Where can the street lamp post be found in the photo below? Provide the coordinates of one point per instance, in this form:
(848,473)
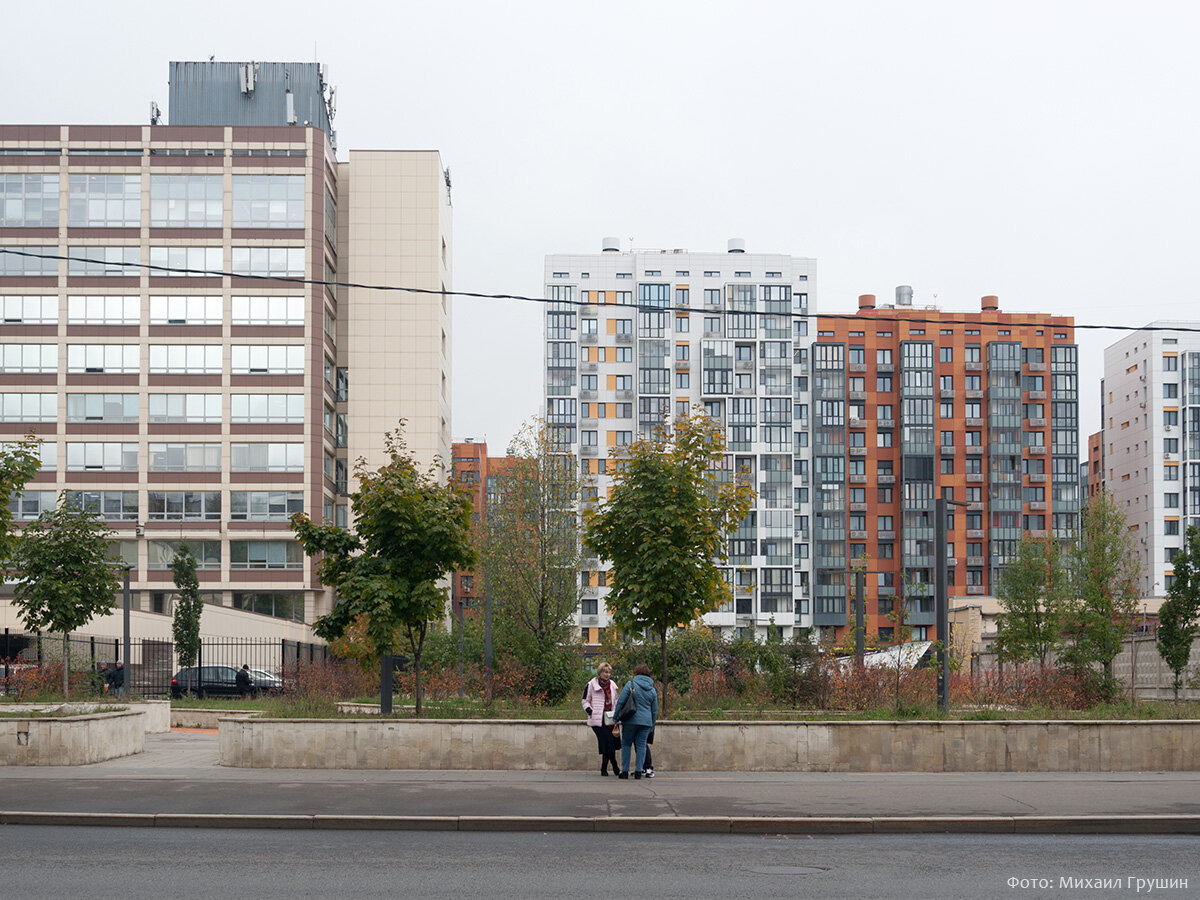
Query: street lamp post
(128,680)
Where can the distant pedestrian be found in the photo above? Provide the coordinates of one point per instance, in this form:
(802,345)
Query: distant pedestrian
(243,680)
(599,702)
(116,679)
(635,730)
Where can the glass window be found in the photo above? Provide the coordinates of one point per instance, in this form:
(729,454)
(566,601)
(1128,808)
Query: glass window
(285,262)
(29,310)
(184,506)
(27,260)
(269,311)
(108,358)
(26,505)
(267,457)
(104,261)
(47,452)
(187,261)
(267,408)
(185,457)
(28,407)
(28,200)
(29,358)
(267,359)
(102,407)
(280,604)
(185,408)
(265,555)
(112,505)
(186,201)
(103,456)
(185,359)
(104,310)
(105,201)
(162,553)
(268,201)
(265,506)
(185,311)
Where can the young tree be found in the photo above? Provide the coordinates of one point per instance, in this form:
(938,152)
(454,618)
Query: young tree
(1106,574)
(18,463)
(67,574)
(409,533)
(1033,587)
(532,554)
(186,624)
(1177,626)
(664,528)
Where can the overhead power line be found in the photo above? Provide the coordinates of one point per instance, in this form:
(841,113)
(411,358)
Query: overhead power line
(477,295)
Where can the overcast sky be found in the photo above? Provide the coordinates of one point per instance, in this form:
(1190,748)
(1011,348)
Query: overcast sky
(1046,152)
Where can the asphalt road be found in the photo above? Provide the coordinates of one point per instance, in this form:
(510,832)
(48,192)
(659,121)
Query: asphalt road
(96,863)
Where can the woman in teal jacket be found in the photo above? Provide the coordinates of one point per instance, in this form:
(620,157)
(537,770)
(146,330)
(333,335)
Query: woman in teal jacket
(635,730)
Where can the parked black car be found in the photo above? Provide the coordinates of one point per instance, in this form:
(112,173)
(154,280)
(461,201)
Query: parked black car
(219,681)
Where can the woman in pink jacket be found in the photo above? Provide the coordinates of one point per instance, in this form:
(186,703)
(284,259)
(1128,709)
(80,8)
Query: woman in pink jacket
(599,698)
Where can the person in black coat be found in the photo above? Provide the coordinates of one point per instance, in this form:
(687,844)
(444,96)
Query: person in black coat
(243,680)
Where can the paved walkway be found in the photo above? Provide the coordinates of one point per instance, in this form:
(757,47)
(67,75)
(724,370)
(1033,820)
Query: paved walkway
(178,773)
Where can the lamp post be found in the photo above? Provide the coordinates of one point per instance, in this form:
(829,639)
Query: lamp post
(138,531)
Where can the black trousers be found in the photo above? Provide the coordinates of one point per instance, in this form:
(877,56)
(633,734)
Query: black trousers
(606,746)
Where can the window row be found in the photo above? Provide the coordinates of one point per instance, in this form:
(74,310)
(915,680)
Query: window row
(166,506)
(122,456)
(182,359)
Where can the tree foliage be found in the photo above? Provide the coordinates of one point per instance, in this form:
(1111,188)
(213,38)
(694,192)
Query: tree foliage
(665,527)
(1107,570)
(66,573)
(531,556)
(18,463)
(1034,586)
(185,626)
(1177,628)
(410,531)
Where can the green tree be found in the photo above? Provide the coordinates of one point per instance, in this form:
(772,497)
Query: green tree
(531,557)
(67,574)
(410,531)
(18,463)
(1033,588)
(665,526)
(186,624)
(1177,626)
(1106,575)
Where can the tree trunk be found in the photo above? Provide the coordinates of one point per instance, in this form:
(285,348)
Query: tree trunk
(417,679)
(66,664)
(385,684)
(662,638)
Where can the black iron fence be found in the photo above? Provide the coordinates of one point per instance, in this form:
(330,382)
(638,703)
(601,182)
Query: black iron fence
(152,664)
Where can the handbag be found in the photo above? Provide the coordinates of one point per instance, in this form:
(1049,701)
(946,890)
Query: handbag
(629,707)
(608,717)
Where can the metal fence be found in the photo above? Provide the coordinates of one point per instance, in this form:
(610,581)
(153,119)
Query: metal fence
(153,663)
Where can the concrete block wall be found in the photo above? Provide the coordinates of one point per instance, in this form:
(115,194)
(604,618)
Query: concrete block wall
(70,740)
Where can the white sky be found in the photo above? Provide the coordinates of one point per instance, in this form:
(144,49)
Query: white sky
(1046,152)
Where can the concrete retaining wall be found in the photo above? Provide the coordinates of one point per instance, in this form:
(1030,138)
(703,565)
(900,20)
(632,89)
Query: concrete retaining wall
(1027,746)
(157,718)
(71,740)
(205,718)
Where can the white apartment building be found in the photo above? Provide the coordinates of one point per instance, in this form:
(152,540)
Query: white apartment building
(1150,400)
(634,335)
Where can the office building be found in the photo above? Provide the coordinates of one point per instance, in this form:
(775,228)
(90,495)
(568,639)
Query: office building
(1150,450)
(168,336)
(635,337)
(914,403)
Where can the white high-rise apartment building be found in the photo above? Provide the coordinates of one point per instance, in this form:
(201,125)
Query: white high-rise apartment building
(1151,435)
(633,336)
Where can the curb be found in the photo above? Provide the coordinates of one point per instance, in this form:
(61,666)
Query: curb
(811,825)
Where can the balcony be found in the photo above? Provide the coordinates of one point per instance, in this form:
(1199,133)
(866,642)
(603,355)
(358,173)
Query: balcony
(951,560)
(946,450)
(886,479)
(974,423)
(591,621)
(858,451)
(975,589)
(858,507)
(587,395)
(947,394)
(975,562)
(886,535)
(886,590)
(858,535)
(973,395)
(1037,423)
(624,395)
(857,395)
(1037,479)
(589,309)
(589,339)
(1037,451)
(588,422)
(858,423)
(975,506)
(624,338)
(974,533)
(976,450)
(683,365)
(587,367)
(885,424)
(974,477)
(884,368)
(743,365)
(858,479)
(973,366)
(1036,395)
(1038,533)
(1037,506)
(1036,366)
(589,451)
(858,367)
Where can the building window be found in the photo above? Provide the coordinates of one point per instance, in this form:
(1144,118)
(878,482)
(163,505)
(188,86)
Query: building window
(1171,363)
(285,262)
(13,263)
(26,505)
(184,506)
(270,408)
(104,310)
(1170,390)
(1171,501)
(28,407)
(29,358)
(107,358)
(1170,417)
(104,201)
(945,354)
(162,553)
(104,261)
(185,311)
(186,261)
(204,408)
(265,555)
(280,604)
(267,359)
(111,505)
(187,201)
(28,310)
(101,456)
(185,359)
(268,201)
(185,457)
(264,506)
(28,201)
(1171,527)
(267,457)
(102,407)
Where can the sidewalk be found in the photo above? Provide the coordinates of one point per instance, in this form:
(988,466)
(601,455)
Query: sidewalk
(177,781)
